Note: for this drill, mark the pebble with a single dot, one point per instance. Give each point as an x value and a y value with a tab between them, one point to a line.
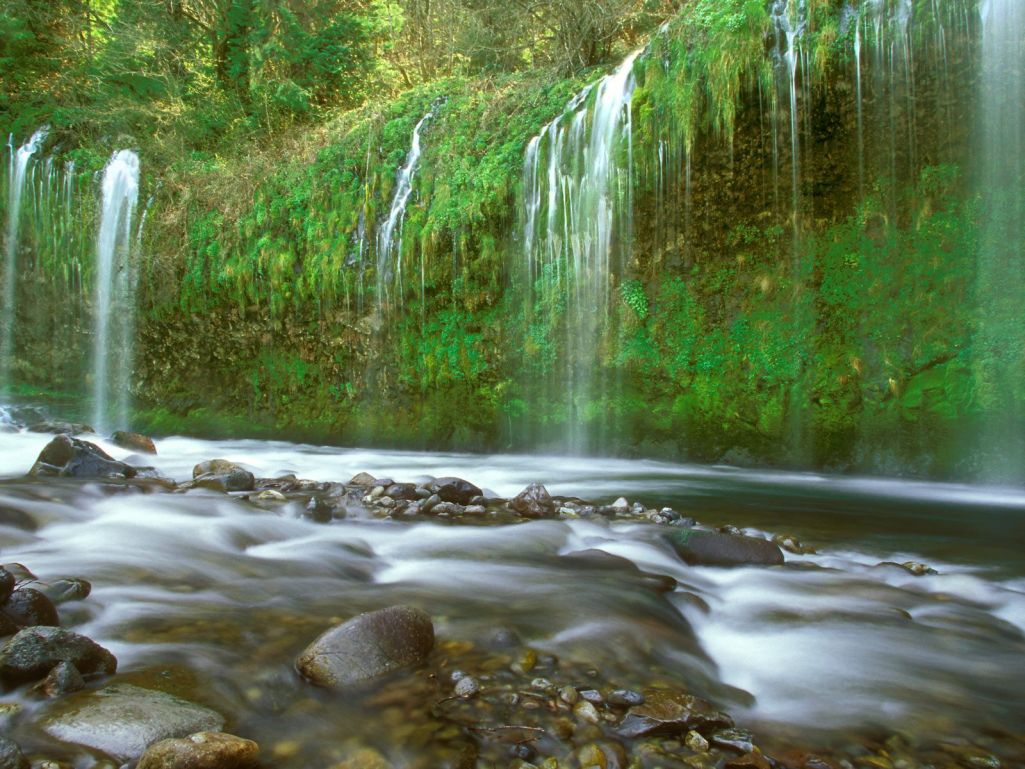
592	695
569	695
271	495
587	711
625	698
467	687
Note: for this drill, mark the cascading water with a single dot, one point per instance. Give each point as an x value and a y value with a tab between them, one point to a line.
1001	275
114	307
389	238
19	165
577	227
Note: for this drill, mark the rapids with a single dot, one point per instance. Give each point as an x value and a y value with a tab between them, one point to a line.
214	597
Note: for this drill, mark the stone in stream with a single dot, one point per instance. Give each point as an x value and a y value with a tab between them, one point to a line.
709	548
35	651
11	756
667	713
71	458
534	502
454	490
18	519
63	679
203	750
133	442
66	589
368	646
123	720
27	606
222	475
363	479
57	427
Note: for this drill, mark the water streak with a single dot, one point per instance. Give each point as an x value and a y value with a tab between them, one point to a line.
19	166
389	242
115	300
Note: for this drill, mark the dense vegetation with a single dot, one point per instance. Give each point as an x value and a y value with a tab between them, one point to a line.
814	309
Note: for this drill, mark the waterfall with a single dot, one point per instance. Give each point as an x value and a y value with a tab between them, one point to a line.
576	229
114	306
389	242
1001	274
19	163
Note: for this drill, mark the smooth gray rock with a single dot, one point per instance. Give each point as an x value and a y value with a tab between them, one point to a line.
368	646
123	720
710	548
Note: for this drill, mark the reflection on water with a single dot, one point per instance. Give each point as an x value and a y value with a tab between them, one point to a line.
219	596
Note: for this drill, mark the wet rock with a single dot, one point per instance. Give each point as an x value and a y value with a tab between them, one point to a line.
696	742
454	490
791	544
621	505
6	584
593	696
707	548
63	679
569	695
272	496
625	698
534	502
475	510
368	646
35	651
323	510
222	475
11	756
57	427
363	479
430	503
66	590
404	491
7	628
447	508
124	720
27	606
18	519
71	458
364	758
666	713
587	711
918	569
734	739
203	750
134	442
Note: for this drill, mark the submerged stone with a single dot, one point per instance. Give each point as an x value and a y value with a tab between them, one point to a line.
368	646
202	750
123	720
709	548
666	713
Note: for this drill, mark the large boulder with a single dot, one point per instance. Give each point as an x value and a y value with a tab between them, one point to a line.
27	606
71	458
203	750
534	502
454	490
34	652
710	548
123	720
671	713
368	646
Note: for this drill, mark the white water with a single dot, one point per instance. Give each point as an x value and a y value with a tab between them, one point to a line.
838	644
18	171
389	238
577	225
115	301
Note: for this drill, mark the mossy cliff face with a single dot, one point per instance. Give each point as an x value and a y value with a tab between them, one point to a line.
799	288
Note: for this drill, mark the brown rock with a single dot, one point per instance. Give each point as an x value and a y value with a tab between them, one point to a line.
134	442
203	750
752	760
666	712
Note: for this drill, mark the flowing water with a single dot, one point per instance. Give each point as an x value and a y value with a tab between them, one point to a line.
213	597
389	238
115	292
18	174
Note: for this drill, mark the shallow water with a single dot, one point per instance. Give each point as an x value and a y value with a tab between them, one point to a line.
214	597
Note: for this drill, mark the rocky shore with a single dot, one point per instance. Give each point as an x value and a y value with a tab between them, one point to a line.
447	701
